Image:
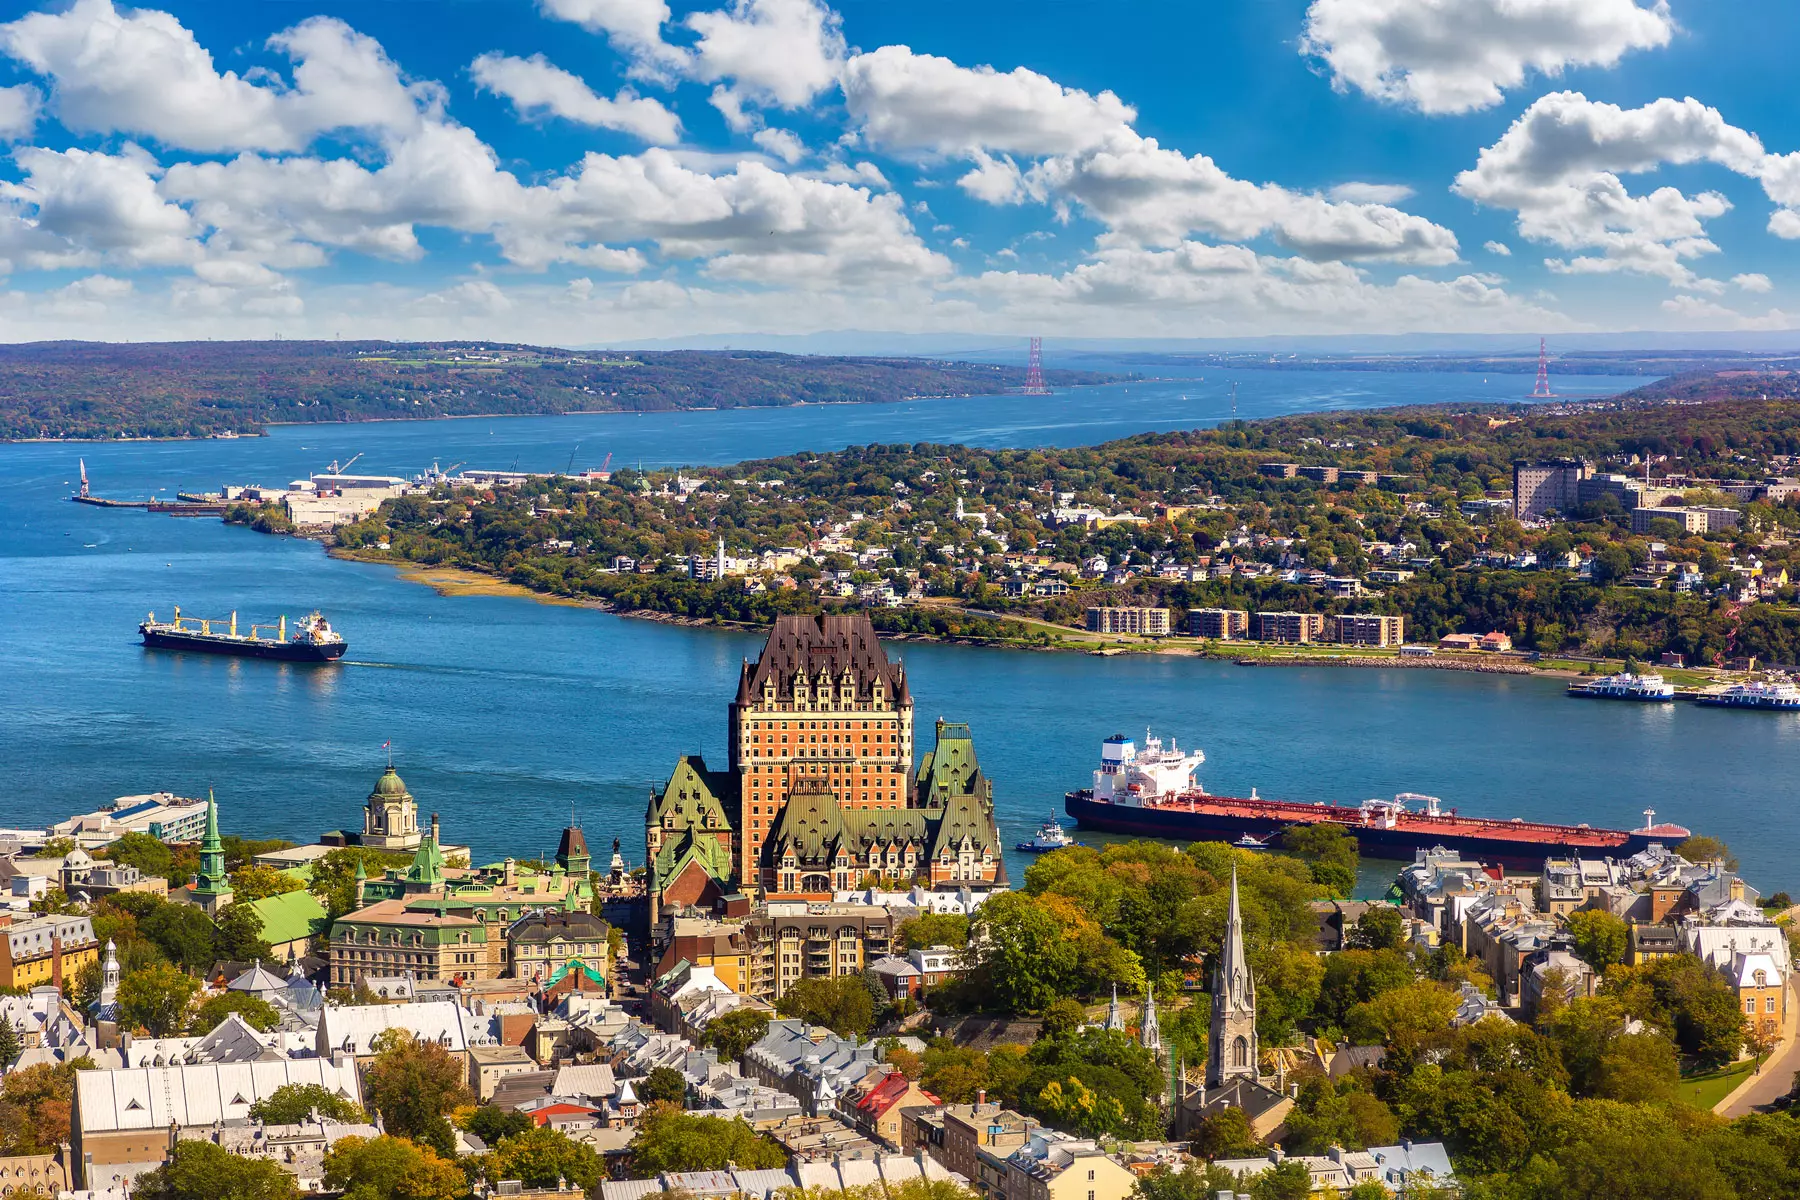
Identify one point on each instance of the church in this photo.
(1233, 1079)
(821, 791)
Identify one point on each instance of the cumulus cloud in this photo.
(82, 208)
(1753, 282)
(143, 73)
(538, 89)
(633, 26)
(1453, 56)
(1500, 248)
(19, 107)
(1558, 169)
(779, 52)
(781, 143)
(1371, 193)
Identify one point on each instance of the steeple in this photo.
(1114, 1018)
(1232, 1041)
(1149, 1032)
(212, 891)
(427, 871)
(106, 1008)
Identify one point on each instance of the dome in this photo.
(78, 858)
(389, 784)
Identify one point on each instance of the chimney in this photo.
(1737, 888)
(434, 829)
(980, 1098)
(56, 974)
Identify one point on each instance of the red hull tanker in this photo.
(1152, 794)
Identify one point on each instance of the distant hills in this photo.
(198, 389)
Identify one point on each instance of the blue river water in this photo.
(508, 716)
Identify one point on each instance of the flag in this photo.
(386, 745)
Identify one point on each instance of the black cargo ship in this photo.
(313, 639)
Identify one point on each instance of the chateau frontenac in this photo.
(823, 792)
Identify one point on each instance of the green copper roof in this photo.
(290, 916)
(950, 767)
(427, 865)
(210, 880)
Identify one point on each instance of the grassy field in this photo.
(1707, 1088)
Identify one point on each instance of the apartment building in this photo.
(1152, 622)
(46, 949)
(1220, 624)
(1288, 628)
(1370, 629)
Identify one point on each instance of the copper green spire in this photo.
(428, 864)
(211, 879)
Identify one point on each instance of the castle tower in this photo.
(212, 890)
(1149, 1032)
(1232, 1041)
(391, 816)
(572, 852)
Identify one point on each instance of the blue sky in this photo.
(583, 171)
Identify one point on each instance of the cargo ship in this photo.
(312, 640)
(1151, 793)
(1652, 689)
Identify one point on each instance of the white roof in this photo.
(157, 1097)
(595, 1079)
(351, 1028)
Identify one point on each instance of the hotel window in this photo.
(1750, 1005)
(1769, 1004)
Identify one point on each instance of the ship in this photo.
(312, 640)
(1050, 836)
(1779, 694)
(1151, 793)
(1651, 689)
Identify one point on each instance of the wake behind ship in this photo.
(1152, 794)
(313, 638)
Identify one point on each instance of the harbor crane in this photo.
(334, 469)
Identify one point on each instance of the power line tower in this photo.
(1542, 389)
(1034, 371)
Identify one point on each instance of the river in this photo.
(507, 716)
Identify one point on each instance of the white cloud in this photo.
(920, 102)
(1452, 56)
(538, 89)
(1753, 282)
(19, 106)
(634, 27)
(779, 52)
(1371, 193)
(781, 143)
(142, 72)
(1557, 166)
(1500, 248)
(80, 208)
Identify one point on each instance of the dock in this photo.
(178, 508)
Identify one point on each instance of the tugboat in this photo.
(1780, 694)
(1625, 686)
(1050, 836)
(313, 639)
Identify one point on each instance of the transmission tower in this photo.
(1542, 389)
(1034, 371)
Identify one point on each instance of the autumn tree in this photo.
(253, 881)
(412, 1084)
(670, 1140)
(200, 1170)
(391, 1168)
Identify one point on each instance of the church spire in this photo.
(1149, 1032)
(212, 891)
(1115, 1019)
(1232, 1042)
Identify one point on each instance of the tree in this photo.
(54, 901)
(663, 1085)
(34, 1107)
(254, 1009)
(413, 1084)
(1286, 1180)
(391, 1168)
(292, 1103)
(241, 850)
(254, 881)
(1403, 1018)
(1226, 1134)
(238, 936)
(934, 929)
(1381, 927)
(199, 1170)
(540, 1158)
(183, 933)
(1063, 1018)
(671, 1140)
(1601, 939)
(56, 847)
(1025, 960)
(841, 1003)
(334, 875)
(1354, 976)
(736, 1032)
(1329, 852)
(151, 855)
(156, 998)
(1703, 849)
(490, 1124)
(1195, 1181)
(10, 1045)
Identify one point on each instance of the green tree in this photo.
(1353, 977)
(1329, 852)
(148, 854)
(1286, 1180)
(254, 881)
(1195, 1181)
(183, 933)
(334, 875)
(841, 1003)
(198, 1170)
(56, 847)
(540, 1158)
(214, 1009)
(292, 1103)
(671, 1140)
(1064, 1018)
(412, 1085)
(1601, 939)
(391, 1168)
(736, 1032)
(1226, 1134)
(54, 901)
(1703, 849)
(1403, 1018)
(934, 929)
(1025, 961)
(238, 935)
(490, 1124)
(157, 999)
(10, 1045)
(664, 1085)
(240, 850)
(1381, 927)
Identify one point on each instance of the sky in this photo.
(589, 172)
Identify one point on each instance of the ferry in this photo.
(1779, 694)
(313, 639)
(1050, 836)
(1151, 793)
(1652, 689)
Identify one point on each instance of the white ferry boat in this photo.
(1775, 694)
(1625, 686)
(1050, 836)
